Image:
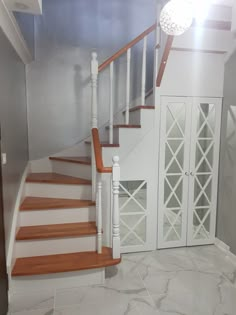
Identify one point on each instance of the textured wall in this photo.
(226, 230)
(59, 91)
(13, 120)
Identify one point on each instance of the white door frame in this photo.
(162, 204)
(213, 178)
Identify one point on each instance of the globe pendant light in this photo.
(176, 17)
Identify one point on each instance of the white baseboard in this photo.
(226, 249)
(15, 221)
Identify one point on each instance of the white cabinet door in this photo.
(204, 160)
(174, 170)
(188, 171)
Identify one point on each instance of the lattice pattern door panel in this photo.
(204, 171)
(133, 214)
(173, 180)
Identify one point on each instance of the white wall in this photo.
(227, 180)
(13, 121)
(59, 90)
(193, 74)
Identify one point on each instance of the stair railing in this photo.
(115, 179)
(110, 62)
(163, 45)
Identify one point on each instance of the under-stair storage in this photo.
(188, 170)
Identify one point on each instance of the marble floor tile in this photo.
(33, 301)
(35, 312)
(112, 304)
(183, 281)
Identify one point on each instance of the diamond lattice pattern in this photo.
(203, 171)
(174, 164)
(133, 212)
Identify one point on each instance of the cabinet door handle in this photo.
(186, 173)
(191, 173)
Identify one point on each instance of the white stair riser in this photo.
(72, 169)
(59, 191)
(55, 246)
(116, 138)
(57, 216)
(135, 117)
(88, 150)
(63, 280)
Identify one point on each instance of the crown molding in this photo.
(12, 31)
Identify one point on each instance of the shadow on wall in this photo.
(227, 197)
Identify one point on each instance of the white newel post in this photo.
(99, 214)
(94, 119)
(144, 64)
(127, 87)
(115, 208)
(111, 104)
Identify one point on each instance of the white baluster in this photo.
(127, 87)
(116, 209)
(144, 65)
(111, 104)
(99, 215)
(94, 79)
(94, 120)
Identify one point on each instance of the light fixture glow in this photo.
(201, 10)
(176, 17)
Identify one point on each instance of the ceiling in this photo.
(223, 2)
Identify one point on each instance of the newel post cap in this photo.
(115, 160)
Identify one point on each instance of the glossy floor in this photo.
(184, 281)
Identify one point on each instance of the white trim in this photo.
(11, 29)
(226, 249)
(221, 245)
(15, 221)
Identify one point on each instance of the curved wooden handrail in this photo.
(164, 60)
(98, 153)
(126, 47)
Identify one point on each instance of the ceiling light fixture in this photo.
(176, 17)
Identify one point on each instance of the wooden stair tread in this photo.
(86, 160)
(54, 178)
(106, 144)
(124, 126)
(41, 265)
(56, 231)
(139, 107)
(133, 109)
(42, 203)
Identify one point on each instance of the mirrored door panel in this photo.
(173, 176)
(204, 158)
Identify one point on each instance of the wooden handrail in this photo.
(98, 153)
(164, 60)
(126, 47)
